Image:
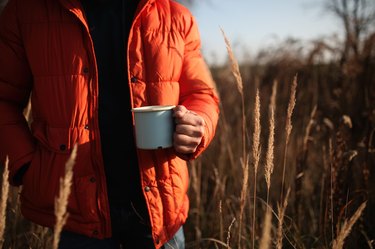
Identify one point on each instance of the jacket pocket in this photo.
(86, 196)
(41, 182)
(57, 139)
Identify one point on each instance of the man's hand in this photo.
(189, 131)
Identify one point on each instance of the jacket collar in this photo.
(75, 7)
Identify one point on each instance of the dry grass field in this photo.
(323, 156)
(292, 163)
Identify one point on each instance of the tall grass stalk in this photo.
(301, 166)
(266, 234)
(229, 232)
(271, 139)
(256, 156)
(221, 220)
(27, 112)
(237, 75)
(245, 169)
(338, 243)
(331, 152)
(225, 137)
(281, 214)
(196, 174)
(309, 126)
(288, 130)
(234, 64)
(61, 202)
(4, 199)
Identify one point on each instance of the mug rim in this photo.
(153, 108)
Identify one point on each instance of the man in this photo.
(86, 64)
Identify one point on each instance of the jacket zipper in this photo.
(102, 200)
(131, 33)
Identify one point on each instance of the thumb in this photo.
(180, 111)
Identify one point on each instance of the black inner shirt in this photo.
(110, 22)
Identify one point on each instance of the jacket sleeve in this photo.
(197, 89)
(16, 140)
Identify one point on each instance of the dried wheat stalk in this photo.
(266, 234)
(338, 243)
(271, 140)
(3, 204)
(61, 202)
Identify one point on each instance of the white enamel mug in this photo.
(154, 126)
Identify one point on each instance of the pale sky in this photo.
(253, 24)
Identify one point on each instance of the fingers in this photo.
(189, 131)
(179, 111)
(187, 138)
(186, 144)
(184, 116)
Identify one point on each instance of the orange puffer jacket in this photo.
(46, 50)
